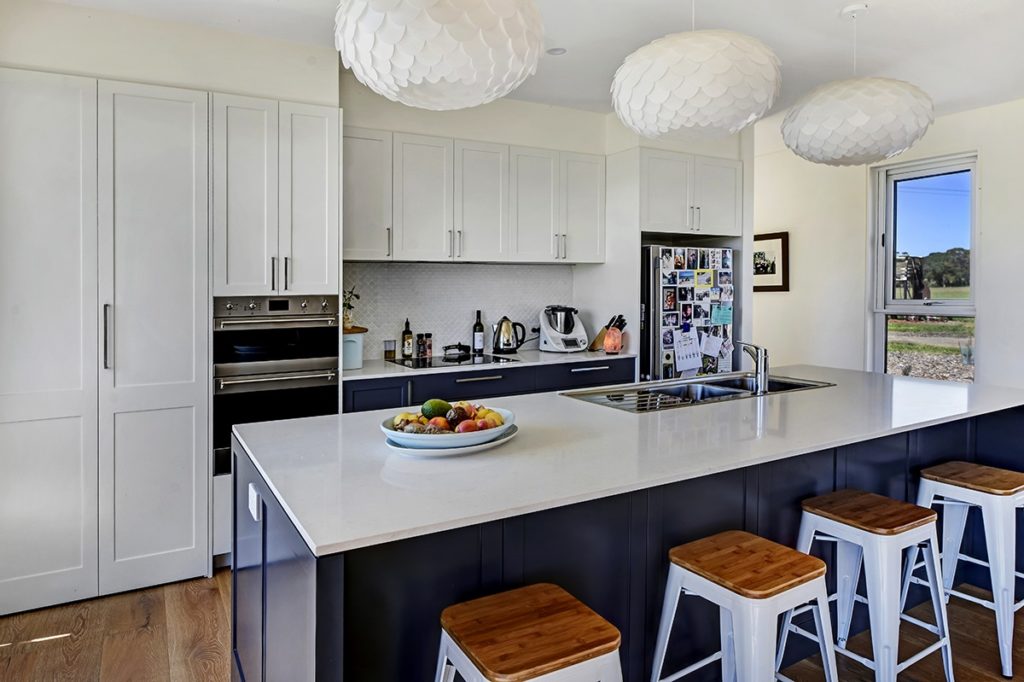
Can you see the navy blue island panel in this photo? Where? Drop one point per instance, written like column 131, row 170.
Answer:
column 371, row 614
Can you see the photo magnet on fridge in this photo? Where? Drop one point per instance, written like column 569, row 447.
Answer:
column 668, row 277
column 692, row 259
column 668, row 299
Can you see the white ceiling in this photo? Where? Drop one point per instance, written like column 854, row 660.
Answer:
column 965, row 53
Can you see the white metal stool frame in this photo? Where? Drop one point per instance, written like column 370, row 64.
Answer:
column 999, row 515
column 882, row 557
column 748, row 629
column 451, row 659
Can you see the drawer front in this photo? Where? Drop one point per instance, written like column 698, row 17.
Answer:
column 562, row 377
column 489, row 383
column 375, row 394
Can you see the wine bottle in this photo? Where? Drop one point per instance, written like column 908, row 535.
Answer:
column 407, row 343
column 478, row 336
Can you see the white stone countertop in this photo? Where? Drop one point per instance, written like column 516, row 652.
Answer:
column 344, row 489
column 381, row 369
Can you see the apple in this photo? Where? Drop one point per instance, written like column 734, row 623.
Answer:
column 441, row 423
column 467, row 426
column 483, row 424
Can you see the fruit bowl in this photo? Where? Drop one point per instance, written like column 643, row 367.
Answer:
column 433, row 441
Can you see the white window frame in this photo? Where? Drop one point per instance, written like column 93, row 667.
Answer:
column 883, row 179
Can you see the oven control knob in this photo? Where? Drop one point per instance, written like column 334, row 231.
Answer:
column 252, row 305
column 324, row 304
column 304, row 304
column 229, row 306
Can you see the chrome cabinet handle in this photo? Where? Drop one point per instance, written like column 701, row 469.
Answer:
column 558, row 252
column 286, row 259
column 565, row 246
column 700, row 222
column 692, row 223
column 389, row 241
column 589, row 369
column 459, row 253
column 264, row 380
column 107, row 364
column 470, row 380
column 451, row 243
column 273, row 273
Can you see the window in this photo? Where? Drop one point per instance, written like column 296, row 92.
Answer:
column 924, row 266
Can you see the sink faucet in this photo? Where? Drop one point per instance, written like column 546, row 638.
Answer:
column 759, row 354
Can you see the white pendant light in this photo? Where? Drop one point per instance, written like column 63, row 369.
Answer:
column 857, row 121
column 710, row 83
column 440, row 54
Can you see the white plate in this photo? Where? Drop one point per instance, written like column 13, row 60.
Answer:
column 435, row 441
column 425, row 453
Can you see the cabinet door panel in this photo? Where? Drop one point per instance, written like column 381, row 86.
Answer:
column 666, row 180
column 423, row 174
column 308, row 199
column 481, row 201
column 562, row 377
column 718, row 196
column 366, row 194
column 533, row 197
column 582, row 202
column 154, row 388
column 48, row 347
column 473, row 385
column 245, row 211
column 375, row 394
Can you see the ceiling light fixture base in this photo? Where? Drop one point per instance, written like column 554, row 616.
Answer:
column 854, row 11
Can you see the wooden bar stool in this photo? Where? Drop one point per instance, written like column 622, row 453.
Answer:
column 752, row 580
column 998, row 493
column 538, row 632
column 874, row 530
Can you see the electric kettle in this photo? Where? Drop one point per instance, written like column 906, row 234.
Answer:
column 509, row 336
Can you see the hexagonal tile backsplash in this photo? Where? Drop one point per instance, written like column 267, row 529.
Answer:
column 443, row 298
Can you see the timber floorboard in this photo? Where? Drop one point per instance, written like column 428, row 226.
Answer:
column 180, row 633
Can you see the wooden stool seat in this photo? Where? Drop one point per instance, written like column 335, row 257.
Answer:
column 869, row 512
column 528, row 632
column 746, row 564
column 983, row 479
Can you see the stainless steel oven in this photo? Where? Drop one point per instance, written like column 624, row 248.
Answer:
column 273, row 358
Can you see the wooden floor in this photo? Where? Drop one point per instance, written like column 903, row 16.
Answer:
column 180, row 632
column 174, row 632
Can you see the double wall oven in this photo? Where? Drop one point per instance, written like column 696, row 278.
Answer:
column 274, row 358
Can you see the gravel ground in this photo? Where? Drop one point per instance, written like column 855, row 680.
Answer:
column 929, row 366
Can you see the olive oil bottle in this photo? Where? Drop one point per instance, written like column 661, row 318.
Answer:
column 407, row 342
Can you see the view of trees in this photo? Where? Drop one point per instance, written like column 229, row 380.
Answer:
column 951, row 268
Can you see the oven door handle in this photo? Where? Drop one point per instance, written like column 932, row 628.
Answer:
column 224, row 383
column 265, row 320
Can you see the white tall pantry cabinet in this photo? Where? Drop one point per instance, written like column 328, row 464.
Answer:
column 104, row 350
column 48, row 340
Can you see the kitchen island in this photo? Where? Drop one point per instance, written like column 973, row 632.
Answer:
column 346, row 553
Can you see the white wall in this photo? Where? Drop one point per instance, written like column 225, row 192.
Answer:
column 48, row 36
column 821, row 320
column 830, row 207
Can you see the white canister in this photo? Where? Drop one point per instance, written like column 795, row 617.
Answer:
column 352, row 347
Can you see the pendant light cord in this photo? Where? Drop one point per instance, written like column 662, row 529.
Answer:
column 693, row 15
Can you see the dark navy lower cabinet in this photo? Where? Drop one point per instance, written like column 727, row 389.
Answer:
column 372, row 614
column 361, row 395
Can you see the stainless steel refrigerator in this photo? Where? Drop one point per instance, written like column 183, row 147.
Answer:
column 687, row 309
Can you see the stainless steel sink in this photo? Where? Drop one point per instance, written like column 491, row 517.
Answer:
column 663, row 395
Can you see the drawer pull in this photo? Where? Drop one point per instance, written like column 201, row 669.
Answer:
column 496, row 377
column 590, row 369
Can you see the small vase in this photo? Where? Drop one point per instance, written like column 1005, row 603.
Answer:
column 346, row 319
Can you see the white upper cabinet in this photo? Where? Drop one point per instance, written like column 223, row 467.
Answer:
column 245, row 195
column 481, row 201
column 154, row 385
column 424, row 170
column 666, row 191
column 534, row 204
column 275, row 197
column 718, row 196
column 308, row 199
column 367, row 196
column 682, row 193
column 582, row 184
column 48, row 340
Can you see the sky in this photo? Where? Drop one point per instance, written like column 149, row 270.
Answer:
column 933, row 213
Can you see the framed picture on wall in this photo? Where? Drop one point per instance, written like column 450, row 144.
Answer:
column 771, row 261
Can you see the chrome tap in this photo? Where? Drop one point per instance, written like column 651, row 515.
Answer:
column 759, row 354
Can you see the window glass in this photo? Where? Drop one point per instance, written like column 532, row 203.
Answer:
column 931, row 225
column 930, row 347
